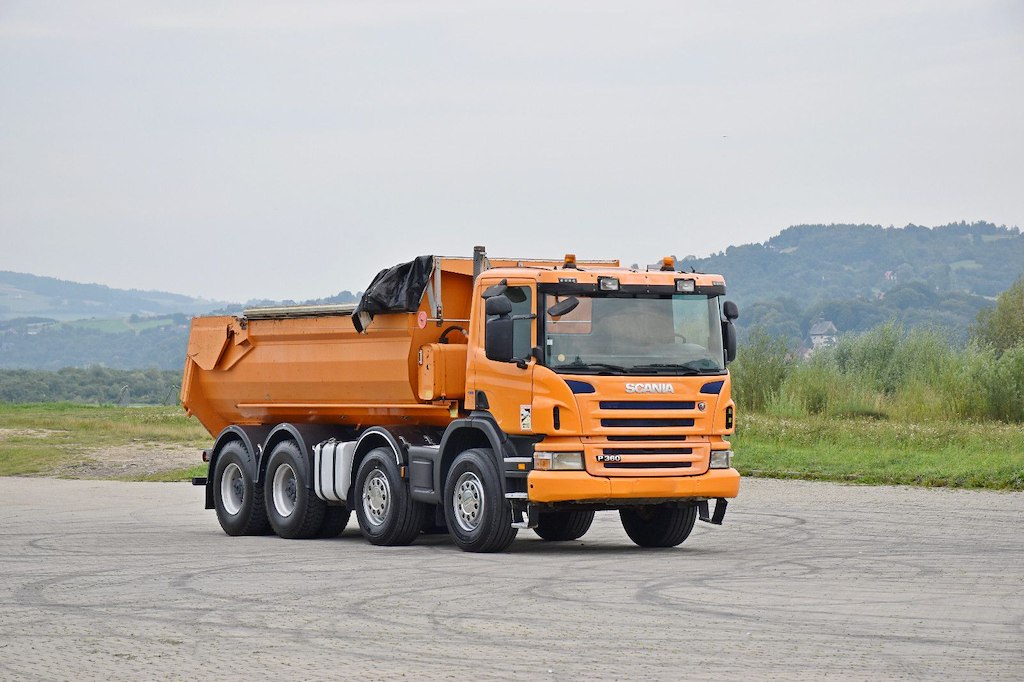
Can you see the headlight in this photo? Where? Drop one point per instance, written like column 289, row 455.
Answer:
column 551, row 461
column 721, row 459
column 607, row 284
column 685, row 286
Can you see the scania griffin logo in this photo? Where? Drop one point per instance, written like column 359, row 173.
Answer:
column 650, row 388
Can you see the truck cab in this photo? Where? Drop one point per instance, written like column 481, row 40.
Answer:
column 617, row 376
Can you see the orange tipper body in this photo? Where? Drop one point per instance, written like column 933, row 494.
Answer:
column 495, row 394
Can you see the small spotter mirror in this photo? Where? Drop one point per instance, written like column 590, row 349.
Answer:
column 564, row 306
column 730, row 310
column 495, row 289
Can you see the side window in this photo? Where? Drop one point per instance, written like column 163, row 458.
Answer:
column 522, row 304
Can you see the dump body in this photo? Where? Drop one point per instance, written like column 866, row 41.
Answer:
column 307, row 370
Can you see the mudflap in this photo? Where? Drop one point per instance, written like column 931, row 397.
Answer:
column 702, row 511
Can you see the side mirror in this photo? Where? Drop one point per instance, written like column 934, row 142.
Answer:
column 498, row 339
column 730, row 310
column 499, row 328
column 563, row 307
column 729, row 339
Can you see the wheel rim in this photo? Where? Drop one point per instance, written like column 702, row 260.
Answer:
column 376, row 497
column 285, row 490
column 468, row 501
column 232, row 489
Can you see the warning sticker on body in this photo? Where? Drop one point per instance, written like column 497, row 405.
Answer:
column 525, row 418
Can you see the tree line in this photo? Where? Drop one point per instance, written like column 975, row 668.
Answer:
column 91, row 385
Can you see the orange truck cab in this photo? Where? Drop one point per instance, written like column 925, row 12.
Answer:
column 478, row 396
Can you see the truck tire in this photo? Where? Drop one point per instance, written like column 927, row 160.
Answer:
column 658, row 525
column 559, row 526
column 386, row 512
column 478, row 515
column 335, row 521
column 237, row 498
column 294, row 511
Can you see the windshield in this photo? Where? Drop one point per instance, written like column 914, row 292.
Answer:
column 623, row 335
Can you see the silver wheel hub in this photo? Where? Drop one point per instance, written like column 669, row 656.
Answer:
column 468, row 501
column 232, row 489
column 376, row 497
column 285, row 490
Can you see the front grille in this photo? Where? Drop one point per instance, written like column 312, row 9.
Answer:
column 646, row 423
column 635, row 421
column 647, row 465
column 656, row 444
column 648, row 451
column 646, row 405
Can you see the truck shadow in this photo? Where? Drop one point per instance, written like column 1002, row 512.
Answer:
column 528, row 543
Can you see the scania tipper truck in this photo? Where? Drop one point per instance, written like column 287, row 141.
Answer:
column 476, row 395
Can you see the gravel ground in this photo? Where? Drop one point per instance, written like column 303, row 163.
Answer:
column 106, row 580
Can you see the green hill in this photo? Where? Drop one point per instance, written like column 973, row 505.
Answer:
column 859, row 276
column 25, row 295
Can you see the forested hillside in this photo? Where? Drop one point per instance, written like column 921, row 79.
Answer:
column 859, row 276
column 24, row 295
column 138, row 341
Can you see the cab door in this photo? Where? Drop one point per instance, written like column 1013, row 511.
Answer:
column 507, row 388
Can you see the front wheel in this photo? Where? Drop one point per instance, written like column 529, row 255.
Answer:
column 658, row 525
column 479, row 517
column 563, row 525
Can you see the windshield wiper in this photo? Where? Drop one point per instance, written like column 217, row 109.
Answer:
column 668, row 368
column 592, row 366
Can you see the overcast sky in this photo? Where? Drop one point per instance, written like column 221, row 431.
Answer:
column 235, row 150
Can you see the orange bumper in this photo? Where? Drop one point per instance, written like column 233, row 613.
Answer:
column 579, row 486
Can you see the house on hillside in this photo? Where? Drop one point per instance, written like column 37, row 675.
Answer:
column 823, row 334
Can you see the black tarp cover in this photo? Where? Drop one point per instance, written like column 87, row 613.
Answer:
column 398, row 289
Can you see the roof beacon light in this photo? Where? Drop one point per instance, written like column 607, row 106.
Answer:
column 607, row 284
column 684, row 286
column 570, row 262
column 668, row 263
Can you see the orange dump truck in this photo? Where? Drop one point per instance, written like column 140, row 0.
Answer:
column 481, row 396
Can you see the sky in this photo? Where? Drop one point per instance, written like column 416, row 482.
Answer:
column 290, row 150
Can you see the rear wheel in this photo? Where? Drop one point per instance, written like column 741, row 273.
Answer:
column 237, row 498
column 479, row 517
column 658, row 525
column 294, row 511
column 387, row 513
column 563, row 525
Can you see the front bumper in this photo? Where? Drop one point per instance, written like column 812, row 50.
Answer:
column 579, row 486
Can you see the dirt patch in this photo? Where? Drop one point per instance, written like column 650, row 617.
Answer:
column 130, row 461
column 5, row 434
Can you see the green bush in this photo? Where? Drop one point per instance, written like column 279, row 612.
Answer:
column 887, row 373
column 762, row 365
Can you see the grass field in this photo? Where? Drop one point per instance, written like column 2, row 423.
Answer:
column 54, row 439
column 115, row 325
column 953, row 454
column 46, row 439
